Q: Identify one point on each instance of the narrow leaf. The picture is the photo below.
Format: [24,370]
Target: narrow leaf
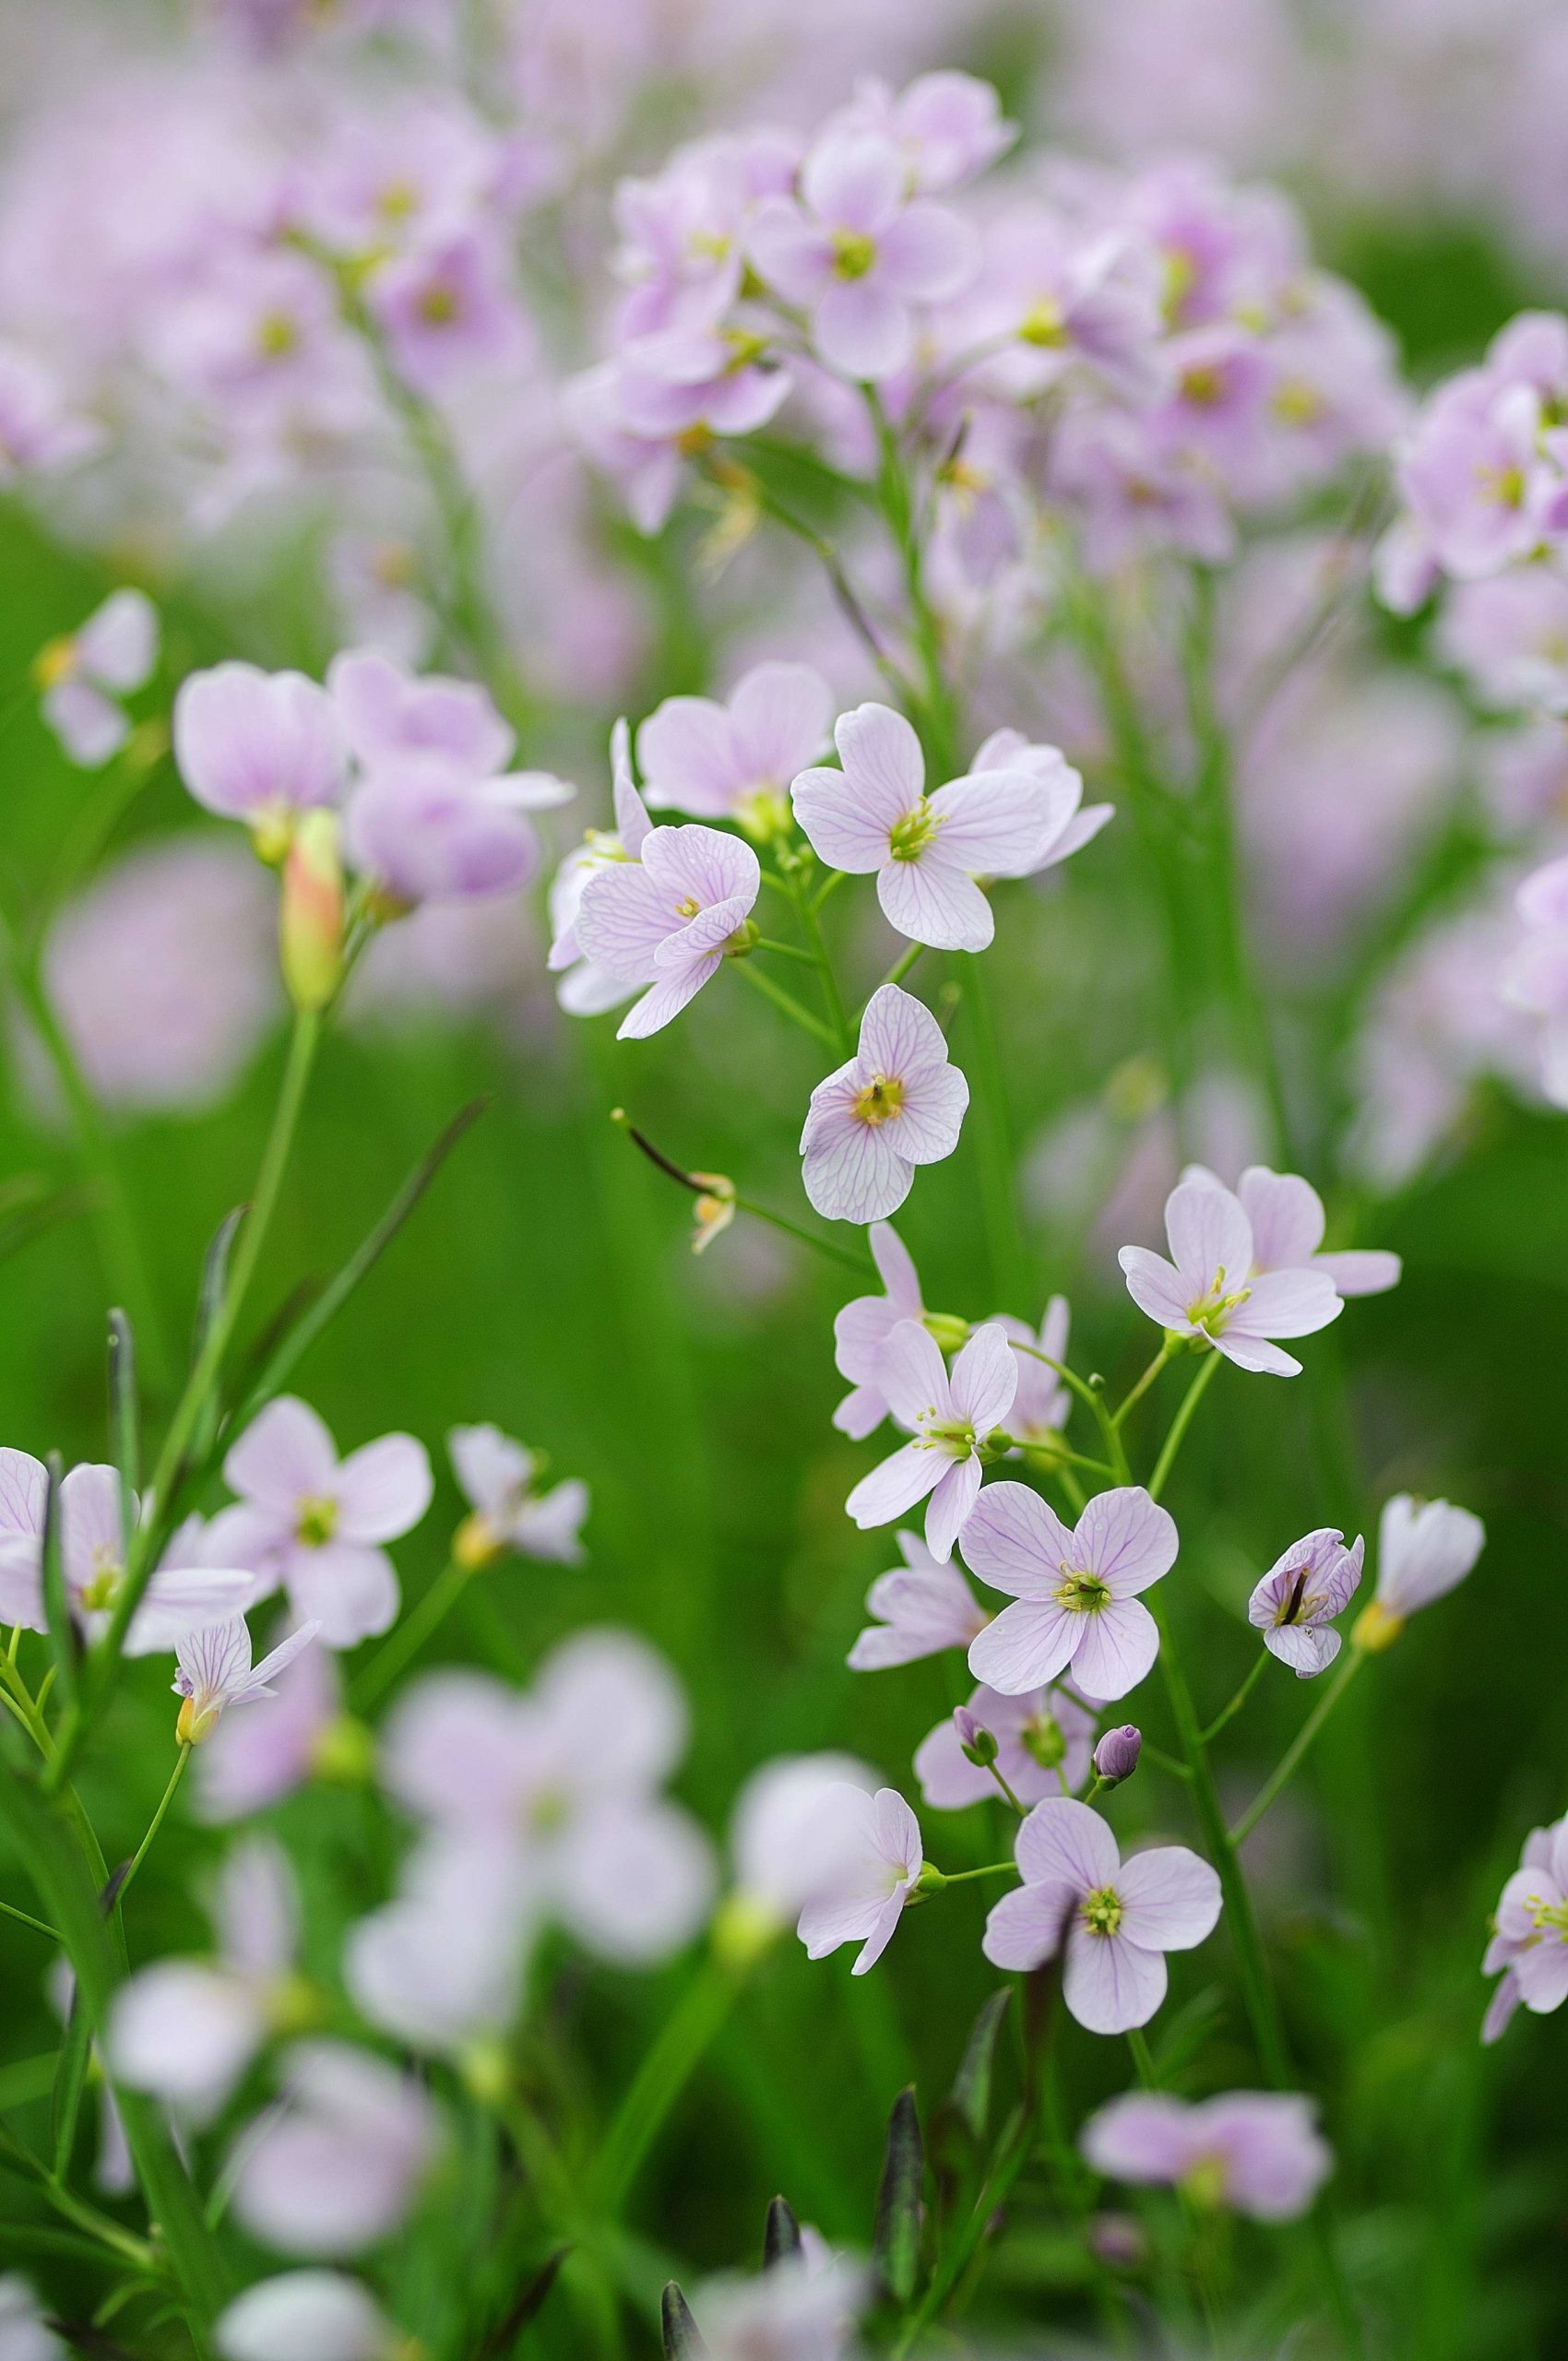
[971,2084]
[781,2234]
[683,2340]
[70,2080]
[896,2240]
[124,1422]
[209,1300]
[56,1599]
[530,2302]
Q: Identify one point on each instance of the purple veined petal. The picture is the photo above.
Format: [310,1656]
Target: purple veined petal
[882,755]
[895,1268]
[1209,1233]
[91,1523]
[985,1378]
[635,1880]
[1080,830]
[894,1487]
[1306,1649]
[1027,1645]
[1157,1286]
[1109,1984]
[1118,1646]
[789,253]
[708,932]
[21,1581]
[884,1927]
[898,1033]
[1127,1538]
[854,182]
[1026,1926]
[676,988]
[24,1487]
[285,1455]
[898,1832]
[382,1489]
[1016,1542]
[860,1329]
[281,1658]
[1255,1353]
[90,726]
[1361,1269]
[1287,1303]
[623,918]
[118,645]
[631,823]
[780,715]
[932,900]
[349,1590]
[1170,1899]
[1287,1216]
[951,1502]
[995,824]
[913,1375]
[927,253]
[926,1127]
[1064,1843]
[686,752]
[851,1170]
[186,1598]
[842,828]
[920,1611]
[703,865]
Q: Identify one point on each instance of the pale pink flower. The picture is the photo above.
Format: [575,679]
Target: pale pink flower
[315,1524]
[857,255]
[873,817]
[85,676]
[919,1610]
[25,2333]
[260,1757]
[1114,1919]
[1042,1402]
[586,987]
[949,127]
[665,919]
[802,2309]
[216,1672]
[186,2029]
[306,2316]
[1073,824]
[449,312]
[184,1594]
[440,1966]
[338,2164]
[790,1840]
[1075,1590]
[1044,1740]
[1292,1606]
[39,429]
[862,1327]
[1207,1291]
[499,1480]
[877,1873]
[258,746]
[948,1420]
[898,1103]
[1288,1220]
[1530,1944]
[735,761]
[1258,2153]
[1425,1548]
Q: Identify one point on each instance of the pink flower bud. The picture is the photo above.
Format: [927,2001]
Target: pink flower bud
[976,1740]
[1116,1756]
[311,935]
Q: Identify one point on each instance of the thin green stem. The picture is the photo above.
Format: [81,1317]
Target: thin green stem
[903,964]
[667,2066]
[26,1918]
[761,982]
[934,1881]
[1143,2058]
[859,1264]
[403,1644]
[155,1822]
[1179,1425]
[784,950]
[1018,1806]
[1296,1753]
[811,928]
[1162,1360]
[1228,1713]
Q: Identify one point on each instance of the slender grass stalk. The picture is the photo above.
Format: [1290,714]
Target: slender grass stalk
[1296,1753]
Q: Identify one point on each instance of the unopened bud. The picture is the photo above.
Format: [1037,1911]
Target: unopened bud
[311,926]
[949,1330]
[715,1209]
[1044,1740]
[1116,1756]
[978,1742]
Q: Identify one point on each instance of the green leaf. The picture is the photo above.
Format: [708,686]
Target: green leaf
[781,2234]
[970,2094]
[70,2080]
[124,1422]
[896,2240]
[209,1302]
[63,1642]
[530,2303]
[683,2340]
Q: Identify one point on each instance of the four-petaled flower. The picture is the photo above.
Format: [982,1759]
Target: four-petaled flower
[1114,1919]
[85,675]
[949,1418]
[879,1864]
[500,1482]
[216,1671]
[665,921]
[1532,1956]
[1288,1220]
[735,761]
[1424,1550]
[1208,1289]
[1300,1595]
[919,1608]
[897,1103]
[1075,1592]
[873,817]
[1045,1740]
[1258,2153]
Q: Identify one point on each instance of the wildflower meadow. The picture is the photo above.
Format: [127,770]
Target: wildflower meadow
[784,1199]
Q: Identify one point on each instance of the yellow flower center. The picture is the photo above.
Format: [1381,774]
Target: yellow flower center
[1082,1593]
[908,838]
[1043,325]
[853,253]
[316,1523]
[277,334]
[1102,1910]
[881,1099]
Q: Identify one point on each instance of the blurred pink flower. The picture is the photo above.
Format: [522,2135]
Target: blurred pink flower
[337,2164]
[190,1589]
[499,1482]
[306,2314]
[735,761]
[258,746]
[85,675]
[1253,2151]
[878,1868]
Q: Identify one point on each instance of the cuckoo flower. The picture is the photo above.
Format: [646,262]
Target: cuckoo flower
[440,1966]
[877,1871]
[38,431]
[862,1327]
[801,2308]
[313,1524]
[949,127]
[184,1594]
[948,1418]
[858,256]
[1113,1919]
[297,1731]
[1041,1406]
[1288,1220]
[666,919]
[1043,1743]
[186,2029]
[216,1671]
[897,1103]
[338,2164]
[588,989]
[1075,1591]
[258,747]
[735,761]
[1207,1289]
[387,713]
[1531,1948]
[873,817]
[1300,1595]
[1072,824]
[1254,2152]
[84,676]
[790,1844]
[919,1608]
[499,1480]
[307,2316]
[1424,1550]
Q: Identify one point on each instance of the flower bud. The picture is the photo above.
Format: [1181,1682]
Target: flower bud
[715,1209]
[949,1328]
[476,1543]
[311,927]
[1375,1628]
[977,1741]
[1044,1740]
[1116,1756]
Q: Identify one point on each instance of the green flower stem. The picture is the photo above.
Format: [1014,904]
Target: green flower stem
[1296,1753]
[1018,1806]
[102,1667]
[100,2227]
[932,1880]
[1143,2058]
[403,1644]
[785,950]
[817,952]
[25,1918]
[1240,1699]
[762,982]
[902,965]
[1179,1424]
[139,1855]
[860,1264]
[668,2065]
[1162,1360]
